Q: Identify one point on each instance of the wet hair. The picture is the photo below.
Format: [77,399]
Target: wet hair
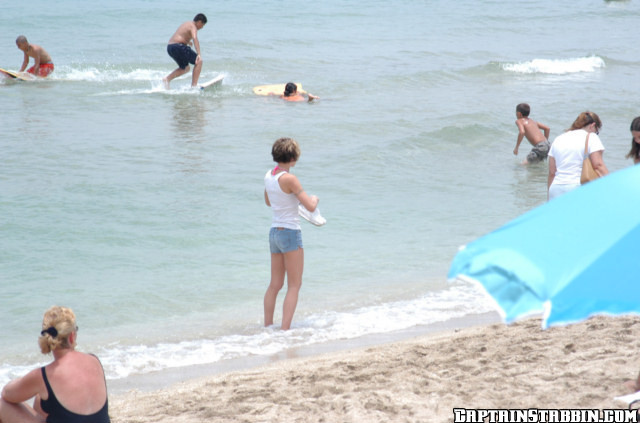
[57,324]
[21,39]
[290,89]
[285,150]
[524,109]
[200,17]
[635,147]
[585,119]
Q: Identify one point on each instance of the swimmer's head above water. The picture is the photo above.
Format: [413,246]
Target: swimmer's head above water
[290,89]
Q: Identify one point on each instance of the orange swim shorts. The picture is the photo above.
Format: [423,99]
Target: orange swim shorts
[45,69]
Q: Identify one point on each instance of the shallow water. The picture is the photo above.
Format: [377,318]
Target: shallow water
[142,208]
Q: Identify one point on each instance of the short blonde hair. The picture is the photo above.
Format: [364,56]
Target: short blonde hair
[57,324]
[285,150]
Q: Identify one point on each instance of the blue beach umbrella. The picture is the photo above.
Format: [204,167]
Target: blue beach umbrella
[573,257]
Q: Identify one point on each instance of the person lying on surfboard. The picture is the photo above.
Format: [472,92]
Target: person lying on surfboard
[291,94]
[42,66]
[179,49]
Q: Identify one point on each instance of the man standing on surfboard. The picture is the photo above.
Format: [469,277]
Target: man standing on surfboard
[180,51]
[42,65]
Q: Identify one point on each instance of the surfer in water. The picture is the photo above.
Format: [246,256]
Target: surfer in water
[291,94]
[42,64]
[179,49]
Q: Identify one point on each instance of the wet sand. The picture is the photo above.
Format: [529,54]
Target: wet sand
[416,380]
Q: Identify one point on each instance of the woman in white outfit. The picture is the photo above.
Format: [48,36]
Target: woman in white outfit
[283,192]
[567,154]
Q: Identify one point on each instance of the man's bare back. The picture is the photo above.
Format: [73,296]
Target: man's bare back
[184,34]
[37,52]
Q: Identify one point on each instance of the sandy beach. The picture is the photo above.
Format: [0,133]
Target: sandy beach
[417,380]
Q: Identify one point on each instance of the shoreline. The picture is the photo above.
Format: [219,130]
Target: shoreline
[420,379]
[167,377]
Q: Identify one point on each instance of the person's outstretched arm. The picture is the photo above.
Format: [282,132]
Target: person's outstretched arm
[25,63]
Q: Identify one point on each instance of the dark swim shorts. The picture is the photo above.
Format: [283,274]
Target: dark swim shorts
[182,54]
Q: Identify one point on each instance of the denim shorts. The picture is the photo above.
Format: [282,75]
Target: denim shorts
[283,240]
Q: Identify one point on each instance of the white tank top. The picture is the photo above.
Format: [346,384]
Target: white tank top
[284,206]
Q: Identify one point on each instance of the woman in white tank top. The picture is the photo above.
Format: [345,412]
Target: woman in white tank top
[283,192]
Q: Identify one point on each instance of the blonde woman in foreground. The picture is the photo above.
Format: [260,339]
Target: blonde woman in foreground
[70,389]
[283,192]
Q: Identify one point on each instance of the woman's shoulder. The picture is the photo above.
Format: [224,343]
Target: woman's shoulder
[289,182]
[35,374]
[288,178]
[573,134]
[595,143]
[91,358]
[577,133]
[84,361]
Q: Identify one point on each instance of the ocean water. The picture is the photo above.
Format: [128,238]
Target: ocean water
[142,209]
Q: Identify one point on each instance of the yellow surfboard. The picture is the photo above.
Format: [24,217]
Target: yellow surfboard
[275,89]
[23,76]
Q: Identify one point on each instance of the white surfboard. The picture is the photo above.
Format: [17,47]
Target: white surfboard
[314,218]
[215,81]
[23,76]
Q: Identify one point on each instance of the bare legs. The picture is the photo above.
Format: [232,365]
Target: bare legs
[277,281]
[179,72]
[196,72]
[290,264]
[173,75]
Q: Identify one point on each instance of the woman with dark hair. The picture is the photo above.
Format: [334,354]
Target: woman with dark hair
[568,152]
[634,153]
[80,394]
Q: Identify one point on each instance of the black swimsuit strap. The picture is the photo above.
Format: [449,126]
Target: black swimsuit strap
[46,381]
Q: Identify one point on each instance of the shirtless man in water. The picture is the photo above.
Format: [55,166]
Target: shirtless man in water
[42,65]
[180,51]
[531,129]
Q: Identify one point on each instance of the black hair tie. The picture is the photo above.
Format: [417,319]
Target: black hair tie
[51,331]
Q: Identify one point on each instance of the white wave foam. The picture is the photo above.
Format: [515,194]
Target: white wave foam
[121,361]
[454,302]
[557,67]
[108,75]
